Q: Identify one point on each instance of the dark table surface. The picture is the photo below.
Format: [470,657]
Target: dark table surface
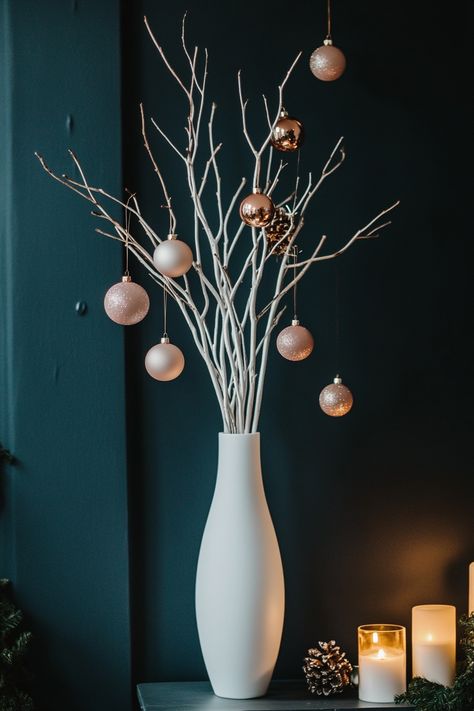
[282,696]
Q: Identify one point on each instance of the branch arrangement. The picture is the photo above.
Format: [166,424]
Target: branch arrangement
[233,342]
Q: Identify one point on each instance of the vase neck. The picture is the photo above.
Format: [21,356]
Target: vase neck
[239,456]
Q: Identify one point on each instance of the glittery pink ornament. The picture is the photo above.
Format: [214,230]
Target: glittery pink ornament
[164,361]
[295,342]
[126,302]
[173,257]
[327,62]
[336,399]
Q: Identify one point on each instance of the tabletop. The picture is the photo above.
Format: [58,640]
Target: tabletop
[282,696]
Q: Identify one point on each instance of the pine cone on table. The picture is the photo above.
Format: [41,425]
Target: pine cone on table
[326,669]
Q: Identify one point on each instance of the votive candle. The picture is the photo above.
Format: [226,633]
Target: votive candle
[434,643]
[382,662]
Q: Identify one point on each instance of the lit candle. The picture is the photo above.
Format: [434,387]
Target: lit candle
[471,589]
[382,662]
[434,643]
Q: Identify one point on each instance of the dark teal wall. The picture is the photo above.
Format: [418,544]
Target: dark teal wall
[102,518]
[63,412]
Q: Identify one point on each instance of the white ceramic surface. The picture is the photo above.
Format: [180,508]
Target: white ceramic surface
[240,595]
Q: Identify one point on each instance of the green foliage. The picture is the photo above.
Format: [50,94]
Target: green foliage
[14,643]
[426,696]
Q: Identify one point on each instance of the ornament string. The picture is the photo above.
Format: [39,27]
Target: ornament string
[165,312]
[295,259]
[127,232]
[338,320]
[328,36]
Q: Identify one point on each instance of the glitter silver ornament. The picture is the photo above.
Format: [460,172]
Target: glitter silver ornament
[126,302]
[336,399]
[173,257]
[327,62]
[295,342]
[164,361]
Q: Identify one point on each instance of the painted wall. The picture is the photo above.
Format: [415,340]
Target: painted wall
[102,519]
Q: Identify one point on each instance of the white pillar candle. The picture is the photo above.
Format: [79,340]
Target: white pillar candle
[434,643]
[382,662]
[471,589]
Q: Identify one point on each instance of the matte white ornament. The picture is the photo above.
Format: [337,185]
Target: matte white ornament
[173,257]
[240,592]
[164,361]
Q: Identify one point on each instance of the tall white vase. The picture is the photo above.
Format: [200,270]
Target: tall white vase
[240,592]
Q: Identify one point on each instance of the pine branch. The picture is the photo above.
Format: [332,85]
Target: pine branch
[424,695]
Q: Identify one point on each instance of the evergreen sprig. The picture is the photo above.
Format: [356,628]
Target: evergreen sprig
[424,695]
[14,643]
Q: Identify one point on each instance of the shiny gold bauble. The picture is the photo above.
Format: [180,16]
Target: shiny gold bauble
[257,209]
[126,302]
[288,133]
[280,231]
[164,361]
[336,399]
[295,342]
[327,62]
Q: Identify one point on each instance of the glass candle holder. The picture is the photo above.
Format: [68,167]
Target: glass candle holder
[434,643]
[382,662]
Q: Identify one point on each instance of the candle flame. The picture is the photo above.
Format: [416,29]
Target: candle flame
[375,638]
[381,654]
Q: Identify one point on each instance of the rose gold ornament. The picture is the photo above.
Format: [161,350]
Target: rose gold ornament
[257,209]
[173,257]
[336,399]
[327,62]
[288,133]
[164,361]
[295,342]
[126,302]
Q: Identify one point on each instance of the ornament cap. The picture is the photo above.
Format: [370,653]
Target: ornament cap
[164,339]
[172,236]
[337,380]
[256,191]
[283,112]
[126,278]
[295,322]
[327,42]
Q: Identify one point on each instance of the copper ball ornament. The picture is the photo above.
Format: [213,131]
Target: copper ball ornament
[173,257]
[295,342]
[257,209]
[288,133]
[336,399]
[126,302]
[164,361]
[327,62]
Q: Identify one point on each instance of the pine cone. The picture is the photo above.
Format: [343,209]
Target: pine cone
[280,230]
[327,670]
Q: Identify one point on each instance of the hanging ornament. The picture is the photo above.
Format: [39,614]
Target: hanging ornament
[126,302]
[288,133]
[173,257]
[280,230]
[164,361]
[295,342]
[327,62]
[327,670]
[336,399]
[257,209]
